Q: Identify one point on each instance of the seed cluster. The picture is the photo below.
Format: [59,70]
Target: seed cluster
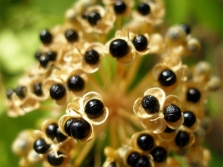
[86,76]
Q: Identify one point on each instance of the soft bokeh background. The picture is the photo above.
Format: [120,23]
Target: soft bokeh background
[21,21]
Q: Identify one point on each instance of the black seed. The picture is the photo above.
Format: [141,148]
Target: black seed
[186,28]
[37,55]
[167,78]
[94,108]
[57,91]
[143,8]
[172,113]
[112,164]
[53,160]
[37,89]
[44,60]
[71,35]
[91,56]
[79,129]
[40,146]
[52,55]
[21,91]
[182,138]
[189,118]
[67,126]
[119,7]
[168,130]
[143,162]
[140,42]
[150,104]
[93,18]
[60,137]
[159,154]
[51,130]
[133,158]
[75,83]
[145,142]
[9,93]
[193,95]
[45,36]
[118,48]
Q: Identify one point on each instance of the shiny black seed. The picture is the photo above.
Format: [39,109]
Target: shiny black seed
[94,108]
[9,93]
[45,36]
[118,48]
[52,55]
[119,7]
[93,18]
[112,164]
[189,119]
[67,126]
[145,142]
[172,113]
[51,130]
[37,55]
[71,35]
[53,160]
[143,8]
[84,15]
[150,104]
[133,158]
[75,83]
[57,91]
[21,91]
[167,78]
[37,89]
[159,154]
[91,56]
[168,130]
[40,146]
[140,42]
[182,138]
[186,28]
[79,129]
[60,137]
[44,60]
[143,162]
[193,95]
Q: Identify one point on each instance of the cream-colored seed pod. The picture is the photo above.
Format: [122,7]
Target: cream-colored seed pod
[175,36]
[23,143]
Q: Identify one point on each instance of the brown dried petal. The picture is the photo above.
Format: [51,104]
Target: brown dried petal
[157,125]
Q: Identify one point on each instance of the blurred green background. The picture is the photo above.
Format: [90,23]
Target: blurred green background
[21,21]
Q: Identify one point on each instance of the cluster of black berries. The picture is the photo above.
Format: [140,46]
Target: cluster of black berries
[79,128]
[42,147]
[147,144]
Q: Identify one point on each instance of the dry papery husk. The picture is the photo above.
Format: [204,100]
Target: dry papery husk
[104,25]
[185,148]
[62,121]
[167,148]
[123,34]
[197,107]
[55,80]
[77,106]
[154,17]
[31,158]
[172,99]
[23,143]
[130,150]
[138,109]
[135,136]
[147,49]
